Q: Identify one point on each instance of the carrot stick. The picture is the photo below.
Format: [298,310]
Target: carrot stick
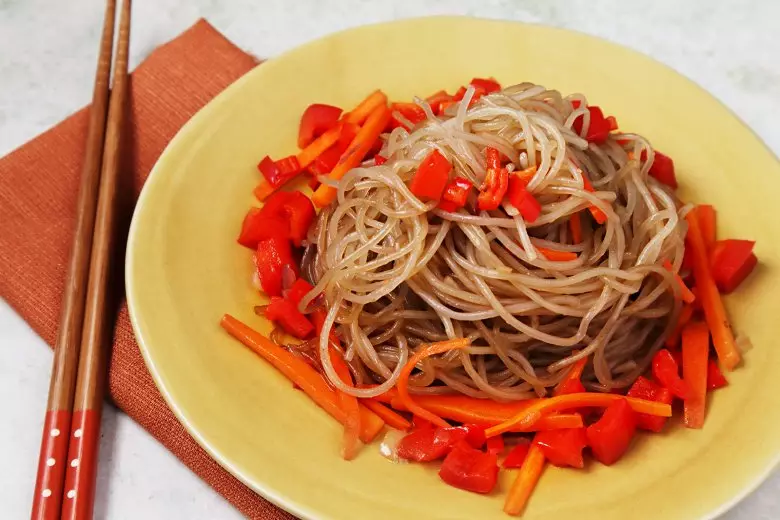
[598,215]
[685,316]
[575,223]
[361,112]
[695,351]
[358,148]
[526,418]
[526,480]
[351,407]
[714,312]
[555,255]
[486,413]
[403,379]
[392,419]
[685,293]
[527,174]
[319,145]
[263,189]
[304,376]
[705,214]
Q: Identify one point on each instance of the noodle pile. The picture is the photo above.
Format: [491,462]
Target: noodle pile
[397,272]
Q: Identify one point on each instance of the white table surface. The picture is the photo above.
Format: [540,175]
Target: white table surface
[47,61]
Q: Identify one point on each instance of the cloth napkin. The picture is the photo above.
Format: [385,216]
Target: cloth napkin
[38,189]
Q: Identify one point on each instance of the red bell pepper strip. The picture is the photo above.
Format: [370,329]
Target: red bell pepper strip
[327,160]
[298,290]
[411,111]
[379,160]
[517,455]
[495,445]
[296,208]
[571,383]
[459,94]
[667,372]
[315,121]
[470,469]
[599,127]
[715,378]
[436,100]
[287,315]
[563,447]
[492,158]
[455,194]
[495,186]
[268,168]
[431,177]
[695,352]
[644,388]
[575,225]
[284,170]
[731,262]
[522,200]
[258,226]
[662,169]
[610,436]
[488,85]
[271,257]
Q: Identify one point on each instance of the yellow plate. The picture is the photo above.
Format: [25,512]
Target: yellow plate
[184,270]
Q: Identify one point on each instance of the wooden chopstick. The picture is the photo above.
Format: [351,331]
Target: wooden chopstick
[49,482]
[96,339]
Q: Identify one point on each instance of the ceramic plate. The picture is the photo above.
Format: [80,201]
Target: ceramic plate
[184,270]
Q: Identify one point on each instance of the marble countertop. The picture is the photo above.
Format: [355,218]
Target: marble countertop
[47,60]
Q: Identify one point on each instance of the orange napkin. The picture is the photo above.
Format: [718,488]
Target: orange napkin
[38,187]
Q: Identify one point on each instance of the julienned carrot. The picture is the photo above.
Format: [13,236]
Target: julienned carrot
[526,418]
[526,174]
[351,407]
[556,255]
[263,190]
[598,215]
[361,112]
[526,480]
[695,351]
[392,419]
[319,145]
[714,312]
[685,316]
[357,150]
[705,214]
[403,379]
[575,223]
[685,293]
[304,376]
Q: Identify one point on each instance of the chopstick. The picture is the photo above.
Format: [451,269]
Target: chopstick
[67,463]
[56,425]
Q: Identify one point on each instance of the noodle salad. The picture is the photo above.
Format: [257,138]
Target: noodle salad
[500,274]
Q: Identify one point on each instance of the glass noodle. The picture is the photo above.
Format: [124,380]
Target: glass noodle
[397,272]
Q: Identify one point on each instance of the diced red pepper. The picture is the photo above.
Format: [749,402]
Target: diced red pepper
[379,160]
[495,445]
[570,386]
[459,94]
[316,120]
[411,111]
[286,314]
[271,257]
[455,194]
[471,434]
[563,447]
[517,455]
[731,262]
[420,446]
[298,290]
[327,160]
[496,183]
[667,372]
[257,227]
[492,158]
[662,169]
[470,469]
[643,388]
[296,208]
[420,423]
[522,199]
[610,436]
[436,100]
[715,378]
[488,85]
[283,170]
[599,127]
[431,177]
